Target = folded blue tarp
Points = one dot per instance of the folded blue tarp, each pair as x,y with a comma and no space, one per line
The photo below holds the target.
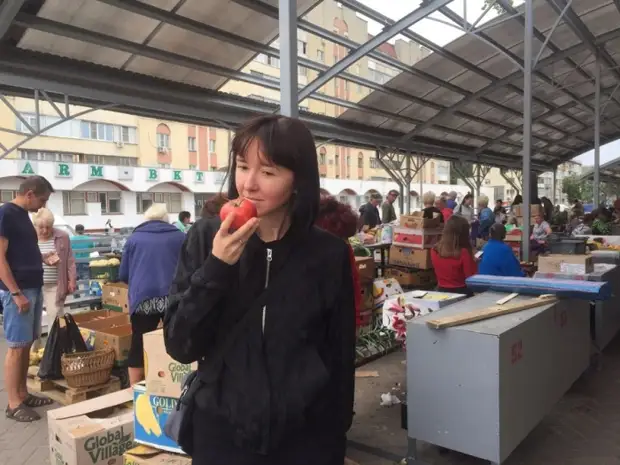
588,290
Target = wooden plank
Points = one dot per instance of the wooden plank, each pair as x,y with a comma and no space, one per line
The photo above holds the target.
366,374
489,312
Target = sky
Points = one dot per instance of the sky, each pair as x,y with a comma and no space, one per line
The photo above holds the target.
442,34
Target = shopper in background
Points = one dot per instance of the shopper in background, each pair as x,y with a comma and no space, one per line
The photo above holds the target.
183,223
584,227
149,259
212,207
369,212
576,210
602,223
21,279
430,211
498,258
485,217
59,271
499,212
442,206
81,241
540,230
268,311
452,257
451,202
339,219
388,214
466,209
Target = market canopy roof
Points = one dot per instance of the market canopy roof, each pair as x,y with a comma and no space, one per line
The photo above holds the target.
609,172
167,58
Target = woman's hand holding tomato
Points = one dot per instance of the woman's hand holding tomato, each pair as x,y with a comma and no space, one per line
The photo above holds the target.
228,246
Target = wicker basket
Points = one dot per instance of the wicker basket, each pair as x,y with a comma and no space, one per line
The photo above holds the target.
86,369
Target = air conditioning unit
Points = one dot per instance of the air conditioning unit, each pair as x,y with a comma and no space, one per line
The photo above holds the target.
119,144
162,149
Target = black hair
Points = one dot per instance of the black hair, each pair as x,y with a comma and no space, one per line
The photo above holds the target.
285,142
184,215
497,232
37,184
518,200
79,228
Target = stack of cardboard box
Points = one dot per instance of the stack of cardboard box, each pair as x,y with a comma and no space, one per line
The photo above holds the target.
366,272
410,258
535,210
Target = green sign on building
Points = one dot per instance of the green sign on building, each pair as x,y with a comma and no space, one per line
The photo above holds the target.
177,175
27,168
200,177
152,175
63,170
95,171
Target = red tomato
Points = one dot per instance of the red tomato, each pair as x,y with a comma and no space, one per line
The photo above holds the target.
244,211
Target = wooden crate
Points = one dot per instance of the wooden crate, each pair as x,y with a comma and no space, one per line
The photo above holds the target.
59,391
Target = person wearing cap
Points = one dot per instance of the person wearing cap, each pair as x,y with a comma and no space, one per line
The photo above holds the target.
369,212
388,214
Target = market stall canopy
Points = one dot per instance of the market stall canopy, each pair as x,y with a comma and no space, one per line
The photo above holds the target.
168,58
609,172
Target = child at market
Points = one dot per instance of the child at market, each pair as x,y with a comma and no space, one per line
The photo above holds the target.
452,257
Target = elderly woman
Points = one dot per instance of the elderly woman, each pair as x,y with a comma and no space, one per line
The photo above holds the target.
430,210
486,217
149,260
59,274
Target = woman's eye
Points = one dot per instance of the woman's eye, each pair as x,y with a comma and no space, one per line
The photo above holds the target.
242,167
269,173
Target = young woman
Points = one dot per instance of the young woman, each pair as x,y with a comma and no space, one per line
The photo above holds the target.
268,312
452,257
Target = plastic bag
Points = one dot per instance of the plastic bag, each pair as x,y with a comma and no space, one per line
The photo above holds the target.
63,338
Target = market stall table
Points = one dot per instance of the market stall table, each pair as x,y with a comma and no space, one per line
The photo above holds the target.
480,388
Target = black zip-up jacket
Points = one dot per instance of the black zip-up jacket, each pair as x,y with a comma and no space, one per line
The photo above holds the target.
290,368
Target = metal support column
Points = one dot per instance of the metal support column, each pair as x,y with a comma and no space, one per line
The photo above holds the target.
528,61
597,132
554,179
288,58
407,185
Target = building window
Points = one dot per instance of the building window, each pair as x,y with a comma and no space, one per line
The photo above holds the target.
48,156
211,145
302,47
348,161
164,165
302,71
173,201
163,140
360,160
7,196
320,56
110,202
191,144
374,163
108,160
74,203
193,167
337,163
322,155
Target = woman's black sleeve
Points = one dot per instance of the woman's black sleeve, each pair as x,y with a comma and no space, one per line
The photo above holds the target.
197,298
342,339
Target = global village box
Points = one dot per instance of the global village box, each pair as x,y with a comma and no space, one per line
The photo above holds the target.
150,415
94,432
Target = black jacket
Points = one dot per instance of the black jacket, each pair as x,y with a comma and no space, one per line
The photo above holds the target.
290,369
370,215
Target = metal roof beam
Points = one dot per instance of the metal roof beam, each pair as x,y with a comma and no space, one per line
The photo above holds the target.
363,50
8,11
93,84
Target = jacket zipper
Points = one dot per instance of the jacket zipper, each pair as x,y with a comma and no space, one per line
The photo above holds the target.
269,258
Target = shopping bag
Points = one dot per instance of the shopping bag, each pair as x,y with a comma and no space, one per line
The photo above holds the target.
63,338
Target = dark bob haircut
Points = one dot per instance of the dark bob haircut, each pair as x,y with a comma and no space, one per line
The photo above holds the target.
337,218
285,142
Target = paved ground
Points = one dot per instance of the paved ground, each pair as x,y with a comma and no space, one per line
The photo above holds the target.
583,429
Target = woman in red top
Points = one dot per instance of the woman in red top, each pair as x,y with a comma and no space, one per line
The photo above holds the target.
452,257
340,220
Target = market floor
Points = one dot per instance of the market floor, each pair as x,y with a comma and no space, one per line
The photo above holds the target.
583,429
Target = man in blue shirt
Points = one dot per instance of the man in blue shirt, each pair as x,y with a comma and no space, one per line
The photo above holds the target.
498,258
21,280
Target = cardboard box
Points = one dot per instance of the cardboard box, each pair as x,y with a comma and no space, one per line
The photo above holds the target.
93,315
365,268
409,257
412,278
144,455
368,301
571,264
115,296
416,238
416,221
535,210
94,432
150,415
114,332
383,289
163,375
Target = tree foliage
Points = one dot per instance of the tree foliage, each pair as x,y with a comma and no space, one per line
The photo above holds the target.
573,188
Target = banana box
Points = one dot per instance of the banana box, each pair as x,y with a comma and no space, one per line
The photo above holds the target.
383,289
144,455
95,432
150,415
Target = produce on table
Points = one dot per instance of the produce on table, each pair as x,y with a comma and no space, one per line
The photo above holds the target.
36,356
105,262
244,210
